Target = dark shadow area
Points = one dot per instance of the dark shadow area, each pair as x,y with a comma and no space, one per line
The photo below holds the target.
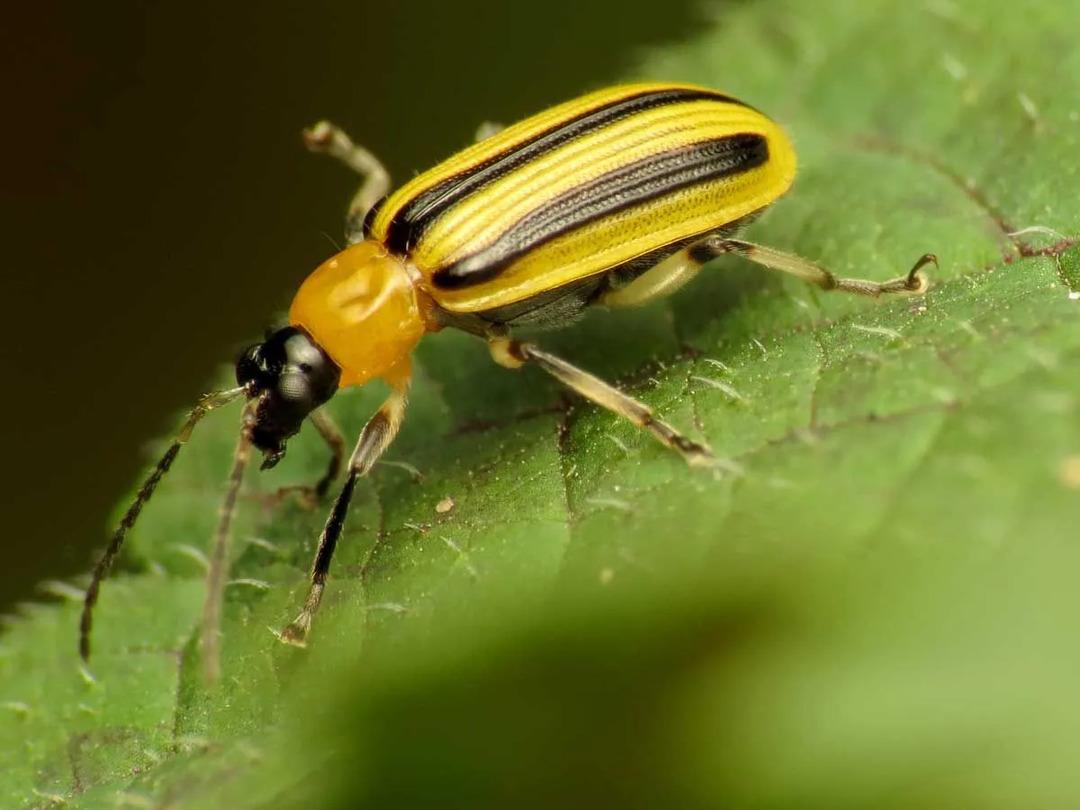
158,208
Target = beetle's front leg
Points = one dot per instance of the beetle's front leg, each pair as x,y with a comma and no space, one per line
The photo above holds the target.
376,436
311,494
485,129
327,139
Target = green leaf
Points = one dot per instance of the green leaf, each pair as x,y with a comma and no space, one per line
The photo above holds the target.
871,604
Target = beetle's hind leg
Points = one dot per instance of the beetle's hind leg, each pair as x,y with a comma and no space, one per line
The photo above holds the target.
914,283
662,279
328,139
514,353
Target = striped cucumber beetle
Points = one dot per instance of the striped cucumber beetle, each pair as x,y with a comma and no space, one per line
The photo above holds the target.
616,198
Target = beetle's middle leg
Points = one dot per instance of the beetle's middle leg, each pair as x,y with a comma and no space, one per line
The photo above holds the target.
328,139
514,353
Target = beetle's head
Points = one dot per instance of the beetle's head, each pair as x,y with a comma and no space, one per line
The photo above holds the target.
290,376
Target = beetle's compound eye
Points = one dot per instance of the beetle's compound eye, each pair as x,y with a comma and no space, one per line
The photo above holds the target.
291,376
308,377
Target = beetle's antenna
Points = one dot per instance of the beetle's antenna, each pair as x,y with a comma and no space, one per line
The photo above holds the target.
215,577
208,403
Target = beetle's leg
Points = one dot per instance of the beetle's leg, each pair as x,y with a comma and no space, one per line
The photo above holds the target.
660,281
331,434
914,283
335,440
486,129
514,353
328,139
374,439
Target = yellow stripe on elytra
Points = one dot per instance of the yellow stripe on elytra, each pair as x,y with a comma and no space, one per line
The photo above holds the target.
508,139
613,240
482,217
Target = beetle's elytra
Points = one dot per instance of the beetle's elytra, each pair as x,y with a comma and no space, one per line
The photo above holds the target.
616,198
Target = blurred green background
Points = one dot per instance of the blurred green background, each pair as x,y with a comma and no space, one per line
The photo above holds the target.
159,209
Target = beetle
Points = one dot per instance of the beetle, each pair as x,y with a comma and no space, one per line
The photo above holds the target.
616,198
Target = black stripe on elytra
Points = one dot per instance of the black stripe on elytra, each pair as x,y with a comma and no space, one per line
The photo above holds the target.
618,190
410,221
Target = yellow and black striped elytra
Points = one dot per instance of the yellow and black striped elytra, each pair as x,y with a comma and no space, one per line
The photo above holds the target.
587,193
616,198
583,189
